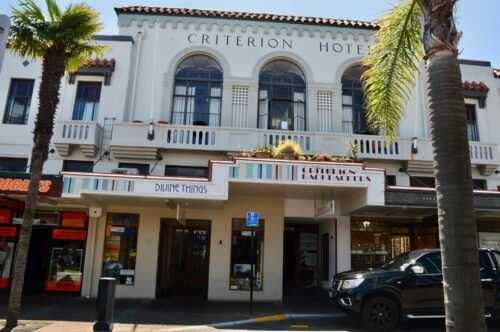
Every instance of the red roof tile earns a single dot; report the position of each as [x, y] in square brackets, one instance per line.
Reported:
[474, 86]
[496, 73]
[100, 63]
[243, 16]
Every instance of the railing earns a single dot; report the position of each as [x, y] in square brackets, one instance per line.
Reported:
[482, 153]
[245, 139]
[169, 136]
[78, 132]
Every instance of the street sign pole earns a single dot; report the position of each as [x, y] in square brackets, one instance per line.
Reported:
[252, 269]
[252, 222]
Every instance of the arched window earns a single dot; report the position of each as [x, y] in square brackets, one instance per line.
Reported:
[197, 92]
[353, 110]
[282, 96]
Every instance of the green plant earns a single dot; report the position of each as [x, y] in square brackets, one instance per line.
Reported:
[263, 148]
[351, 153]
[323, 157]
[287, 147]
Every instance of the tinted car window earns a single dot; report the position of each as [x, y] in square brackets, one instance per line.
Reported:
[431, 263]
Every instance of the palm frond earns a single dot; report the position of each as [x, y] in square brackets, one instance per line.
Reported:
[392, 66]
[33, 34]
[53, 10]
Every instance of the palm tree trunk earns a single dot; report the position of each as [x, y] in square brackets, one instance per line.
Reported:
[52, 71]
[463, 295]
[452, 168]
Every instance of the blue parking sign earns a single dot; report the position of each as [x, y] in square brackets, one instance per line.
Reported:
[252, 219]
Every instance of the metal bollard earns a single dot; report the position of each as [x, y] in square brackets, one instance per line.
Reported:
[105, 305]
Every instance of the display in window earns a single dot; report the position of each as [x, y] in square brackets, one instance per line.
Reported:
[6, 255]
[65, 273]
[241, 255]
[7, 246]
[120, 248]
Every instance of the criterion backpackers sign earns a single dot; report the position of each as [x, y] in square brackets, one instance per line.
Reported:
[18, 183]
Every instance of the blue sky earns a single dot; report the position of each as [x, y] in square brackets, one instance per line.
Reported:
[477, 19]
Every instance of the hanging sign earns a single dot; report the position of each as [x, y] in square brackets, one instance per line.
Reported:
[252, 219]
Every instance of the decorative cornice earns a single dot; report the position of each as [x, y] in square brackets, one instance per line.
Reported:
[243, 16]
[234, 25]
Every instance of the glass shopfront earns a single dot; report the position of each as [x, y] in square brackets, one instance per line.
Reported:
[120, 247]
[55, 256]
[241, 255]
[488, 232]
[374, 243]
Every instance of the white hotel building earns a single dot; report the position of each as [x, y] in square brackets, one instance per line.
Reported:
[145, 181]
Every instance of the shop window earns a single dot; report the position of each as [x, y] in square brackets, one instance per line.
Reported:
[282, 91]
[78, 166]
[13, 164]
[390, 180]
[479, 184]
[472, 129]
[120, 247]
[7, 247]
[88, 95]
[422, 181]
[141, 168]
[186, 171]
[198, 92]
[18, 102]
[241, 255]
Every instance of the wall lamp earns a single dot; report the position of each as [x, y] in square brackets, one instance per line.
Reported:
[151, 131]
[414, 146]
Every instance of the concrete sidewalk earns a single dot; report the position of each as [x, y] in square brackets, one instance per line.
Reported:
[59, 313]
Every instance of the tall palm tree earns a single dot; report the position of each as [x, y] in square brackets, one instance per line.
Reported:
[62, 41]
[411, 27]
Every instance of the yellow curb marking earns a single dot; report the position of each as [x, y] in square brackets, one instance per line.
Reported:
[269, 318]
[299, 326]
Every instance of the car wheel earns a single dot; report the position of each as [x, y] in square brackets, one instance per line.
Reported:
[380, 314]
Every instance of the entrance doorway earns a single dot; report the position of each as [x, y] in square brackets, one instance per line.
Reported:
[183, 259]
[300, 257]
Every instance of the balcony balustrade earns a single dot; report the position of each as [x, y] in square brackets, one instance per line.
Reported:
[130, 140]
[84, 134]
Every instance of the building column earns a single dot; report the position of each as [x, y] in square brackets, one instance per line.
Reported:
[88, 279]
[343, 236]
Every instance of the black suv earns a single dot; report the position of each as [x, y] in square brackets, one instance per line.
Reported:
[409, 286]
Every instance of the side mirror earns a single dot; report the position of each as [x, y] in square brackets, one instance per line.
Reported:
[417, 269]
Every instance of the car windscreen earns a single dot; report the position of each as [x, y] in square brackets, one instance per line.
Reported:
[402, 261]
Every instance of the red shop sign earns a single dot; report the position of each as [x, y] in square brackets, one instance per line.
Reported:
[73, 219]
[67, 234]
[5, 216]
[8, 231]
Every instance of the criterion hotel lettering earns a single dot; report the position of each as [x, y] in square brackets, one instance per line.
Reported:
[8, 184]
[181, 188]
[326, 47]
[332, 174]
[239, 41]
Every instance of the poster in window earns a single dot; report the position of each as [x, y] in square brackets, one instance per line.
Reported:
[65, 274]
[489, 240]
[6, 256]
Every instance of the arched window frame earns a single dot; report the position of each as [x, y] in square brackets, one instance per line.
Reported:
[353, 109]
[282, 96]
[197, 93]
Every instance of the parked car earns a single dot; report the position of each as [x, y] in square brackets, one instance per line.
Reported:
[409, 286]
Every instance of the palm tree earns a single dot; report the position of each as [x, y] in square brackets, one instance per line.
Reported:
[411, 27]
[62, 41]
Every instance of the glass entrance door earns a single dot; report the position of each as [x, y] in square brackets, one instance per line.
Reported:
[183, 270]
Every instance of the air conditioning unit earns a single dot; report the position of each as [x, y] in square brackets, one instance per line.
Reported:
[125, 171]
